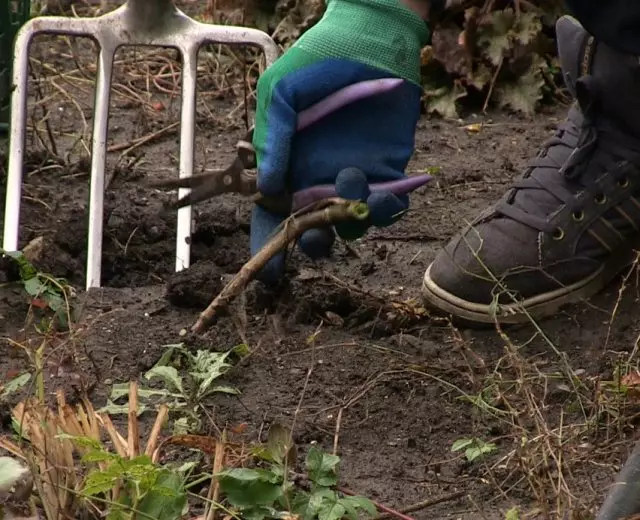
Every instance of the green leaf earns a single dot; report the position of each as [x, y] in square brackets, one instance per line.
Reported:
[280, 446]
[241, 350]
[79, 440]
[494, 36]
[120, 409]
[100, 482]
[322, 467]
[27, 270]
[167, 355]
[208, 366]
[523, 95]
[225, 390]
[246, 487]
[15, 384]
[353, 504]
[444, 100]
[513, 514]
[461, 444]
[166, 500]
[331, 510]
[527, 27]
[168, 375]
[99, 456]
[474, 448]
[34, 286]
[11, 472]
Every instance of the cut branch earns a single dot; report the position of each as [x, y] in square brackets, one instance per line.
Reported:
[338, 210]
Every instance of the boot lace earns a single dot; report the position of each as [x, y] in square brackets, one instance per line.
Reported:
[598, 147]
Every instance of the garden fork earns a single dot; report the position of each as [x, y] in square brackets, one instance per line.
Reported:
[157, 23]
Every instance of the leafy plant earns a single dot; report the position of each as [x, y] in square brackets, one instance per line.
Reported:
[137, 488]
[273, 490]
[76, 476]
[46, 291]
[503, 54]
[183, 393]
[474, 449]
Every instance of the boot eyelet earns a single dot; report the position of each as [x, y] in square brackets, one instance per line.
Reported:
[578, 216]
[623, 183]
[600, 199]
[558, 234]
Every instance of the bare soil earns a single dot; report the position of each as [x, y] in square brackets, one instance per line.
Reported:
[399, 382]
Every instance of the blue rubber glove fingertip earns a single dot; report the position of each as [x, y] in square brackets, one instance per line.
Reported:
[351, 184]
[385, 208]
[317, 243]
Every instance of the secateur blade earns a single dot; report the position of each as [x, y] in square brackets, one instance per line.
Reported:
[233, 179]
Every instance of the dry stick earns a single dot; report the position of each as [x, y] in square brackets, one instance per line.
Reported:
[133, 440]
[425, 504]
[339, 211]
[218, 465]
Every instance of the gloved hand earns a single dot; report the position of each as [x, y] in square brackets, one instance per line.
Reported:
[368, 140]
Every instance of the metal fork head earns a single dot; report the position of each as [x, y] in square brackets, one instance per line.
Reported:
[157, 23]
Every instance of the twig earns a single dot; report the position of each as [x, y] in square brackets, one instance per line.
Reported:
[152, 443]
[336, 435]
[133, 439]
[129, 146]
[425, 504]
[218, 466]
[340, 210]
[492, 85]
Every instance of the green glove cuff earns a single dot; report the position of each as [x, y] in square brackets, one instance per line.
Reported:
[381, 33]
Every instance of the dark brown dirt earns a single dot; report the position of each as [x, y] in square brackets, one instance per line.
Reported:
[400, 384]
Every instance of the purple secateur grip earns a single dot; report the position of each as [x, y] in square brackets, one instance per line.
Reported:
[330, 104]
[313, 194]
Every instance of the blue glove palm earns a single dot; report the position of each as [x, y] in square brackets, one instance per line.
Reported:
[369, 140]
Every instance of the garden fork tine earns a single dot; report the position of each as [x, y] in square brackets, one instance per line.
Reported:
[136, 23]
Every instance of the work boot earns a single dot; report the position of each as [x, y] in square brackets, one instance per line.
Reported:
[569, 225]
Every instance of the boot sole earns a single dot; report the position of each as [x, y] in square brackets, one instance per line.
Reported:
[536, 307]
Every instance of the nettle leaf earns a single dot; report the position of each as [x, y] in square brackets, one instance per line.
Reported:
[99, 456]
[245, 487]
[167, 374]
[166, 500]
[100, 482]
[11, 472]
[322, 467]
[523, 95]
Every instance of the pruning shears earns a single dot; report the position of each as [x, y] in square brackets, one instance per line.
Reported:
[238, 178]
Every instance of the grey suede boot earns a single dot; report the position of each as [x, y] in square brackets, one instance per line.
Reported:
[570, 224]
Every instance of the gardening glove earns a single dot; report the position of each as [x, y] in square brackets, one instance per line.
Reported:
[358, 44]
